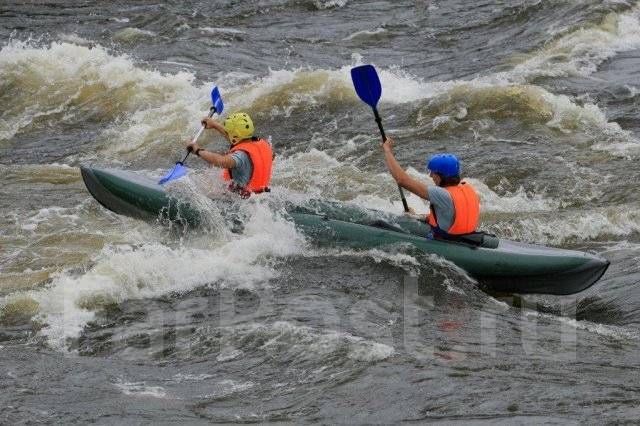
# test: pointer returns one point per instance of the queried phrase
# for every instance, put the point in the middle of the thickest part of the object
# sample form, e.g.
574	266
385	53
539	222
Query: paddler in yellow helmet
248	163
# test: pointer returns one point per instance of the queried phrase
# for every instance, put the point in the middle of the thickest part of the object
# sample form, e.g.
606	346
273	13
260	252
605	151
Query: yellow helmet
239	127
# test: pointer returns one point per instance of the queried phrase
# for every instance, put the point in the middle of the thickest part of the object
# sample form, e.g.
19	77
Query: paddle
179	169
368	87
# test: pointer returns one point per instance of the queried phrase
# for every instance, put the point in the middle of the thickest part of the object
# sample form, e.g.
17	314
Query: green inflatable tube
497	264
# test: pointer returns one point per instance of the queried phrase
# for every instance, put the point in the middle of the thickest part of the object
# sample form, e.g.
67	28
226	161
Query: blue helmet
446	165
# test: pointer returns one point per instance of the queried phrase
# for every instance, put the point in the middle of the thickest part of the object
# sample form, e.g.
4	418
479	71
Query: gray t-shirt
442	203
241	173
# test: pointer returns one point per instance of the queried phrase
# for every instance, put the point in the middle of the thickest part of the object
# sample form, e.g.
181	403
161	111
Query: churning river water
108	319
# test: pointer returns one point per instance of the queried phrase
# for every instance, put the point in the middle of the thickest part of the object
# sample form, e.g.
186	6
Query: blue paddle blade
216	100
367	84
177	172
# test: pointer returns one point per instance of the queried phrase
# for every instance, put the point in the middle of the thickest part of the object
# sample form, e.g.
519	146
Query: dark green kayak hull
499	265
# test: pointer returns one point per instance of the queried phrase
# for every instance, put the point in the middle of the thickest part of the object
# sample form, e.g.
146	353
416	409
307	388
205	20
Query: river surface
108	319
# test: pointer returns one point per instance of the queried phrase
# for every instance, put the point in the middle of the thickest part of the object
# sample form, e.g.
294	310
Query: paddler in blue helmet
454	204
248	163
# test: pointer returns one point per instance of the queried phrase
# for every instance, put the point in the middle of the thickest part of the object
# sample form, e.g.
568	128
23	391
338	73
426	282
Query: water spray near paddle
179	170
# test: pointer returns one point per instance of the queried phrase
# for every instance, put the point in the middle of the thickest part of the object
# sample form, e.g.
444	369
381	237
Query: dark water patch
51	146
614	87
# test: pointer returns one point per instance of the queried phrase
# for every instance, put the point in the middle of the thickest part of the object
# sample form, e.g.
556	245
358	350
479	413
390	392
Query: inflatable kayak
497	264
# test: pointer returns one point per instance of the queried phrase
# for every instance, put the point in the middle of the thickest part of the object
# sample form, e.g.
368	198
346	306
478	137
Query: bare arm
225	161
402	177
210	123
218	160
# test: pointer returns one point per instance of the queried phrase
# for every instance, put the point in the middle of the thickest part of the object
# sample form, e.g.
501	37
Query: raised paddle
179	169
368	87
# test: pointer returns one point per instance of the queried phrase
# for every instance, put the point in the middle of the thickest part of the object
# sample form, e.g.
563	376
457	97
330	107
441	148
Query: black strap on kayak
473	238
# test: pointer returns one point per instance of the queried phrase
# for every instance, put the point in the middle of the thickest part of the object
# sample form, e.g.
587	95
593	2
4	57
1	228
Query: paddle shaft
195	139
384	138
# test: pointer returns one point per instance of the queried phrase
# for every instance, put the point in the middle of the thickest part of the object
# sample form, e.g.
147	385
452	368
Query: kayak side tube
506	267
510	267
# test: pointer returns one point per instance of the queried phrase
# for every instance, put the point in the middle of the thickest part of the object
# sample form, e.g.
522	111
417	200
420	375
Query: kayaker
454	204
248	163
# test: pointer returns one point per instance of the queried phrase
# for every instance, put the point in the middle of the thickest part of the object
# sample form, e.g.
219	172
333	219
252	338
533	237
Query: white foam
401	260
140	389
623	246
628	150
221	30
452	287
320	344
619	333
228	387
492	202
574	226
318	174
132	34
447	265
151	269
78	71
300	342
229	354
151	95
62	166
73	38
633	90
181	64
68	62
329	4
185	377
512	202
586	49
48	213
401	87
365	34
581	51
567	115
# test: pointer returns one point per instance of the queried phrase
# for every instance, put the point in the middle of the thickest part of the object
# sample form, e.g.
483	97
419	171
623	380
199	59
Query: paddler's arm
223	161
210	123
398	173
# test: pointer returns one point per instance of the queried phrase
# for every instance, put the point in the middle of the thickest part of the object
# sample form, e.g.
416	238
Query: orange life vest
466	205
261	156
